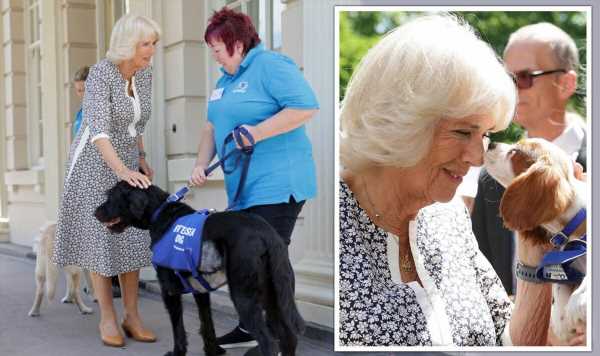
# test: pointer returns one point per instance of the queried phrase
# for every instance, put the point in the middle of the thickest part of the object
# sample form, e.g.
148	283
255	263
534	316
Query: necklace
406	264
377	215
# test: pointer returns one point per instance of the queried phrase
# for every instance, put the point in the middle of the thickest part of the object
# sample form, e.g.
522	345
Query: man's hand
578	170
580	336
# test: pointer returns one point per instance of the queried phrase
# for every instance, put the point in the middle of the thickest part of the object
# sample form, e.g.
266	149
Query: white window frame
3	195
265	8
35	125
107	14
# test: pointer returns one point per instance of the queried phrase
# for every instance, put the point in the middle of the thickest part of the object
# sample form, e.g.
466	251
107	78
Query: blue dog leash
556	265
245	152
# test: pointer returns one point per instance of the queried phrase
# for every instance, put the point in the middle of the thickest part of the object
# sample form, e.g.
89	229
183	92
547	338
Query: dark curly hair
230	26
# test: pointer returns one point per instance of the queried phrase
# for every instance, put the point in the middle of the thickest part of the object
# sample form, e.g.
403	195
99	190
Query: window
35	125
266	16
278	8
108	12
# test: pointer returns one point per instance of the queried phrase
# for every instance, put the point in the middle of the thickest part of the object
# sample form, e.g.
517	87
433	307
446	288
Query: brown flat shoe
142	335
113	341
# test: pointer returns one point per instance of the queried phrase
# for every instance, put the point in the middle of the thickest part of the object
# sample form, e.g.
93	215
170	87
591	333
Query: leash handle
240	131
235	135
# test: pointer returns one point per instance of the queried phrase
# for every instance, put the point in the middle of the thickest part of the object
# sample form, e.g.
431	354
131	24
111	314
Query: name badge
216	94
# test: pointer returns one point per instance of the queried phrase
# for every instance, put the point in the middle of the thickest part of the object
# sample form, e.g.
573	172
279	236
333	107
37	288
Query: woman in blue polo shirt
266	93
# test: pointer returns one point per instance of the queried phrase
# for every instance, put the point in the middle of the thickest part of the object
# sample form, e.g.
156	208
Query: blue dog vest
183	249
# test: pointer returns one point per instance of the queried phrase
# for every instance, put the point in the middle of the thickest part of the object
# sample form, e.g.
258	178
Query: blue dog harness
556	265
182	248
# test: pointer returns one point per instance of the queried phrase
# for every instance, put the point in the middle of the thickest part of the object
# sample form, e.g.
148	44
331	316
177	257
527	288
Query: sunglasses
524	78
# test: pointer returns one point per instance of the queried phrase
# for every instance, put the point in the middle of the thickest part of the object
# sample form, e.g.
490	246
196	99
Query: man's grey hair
561	45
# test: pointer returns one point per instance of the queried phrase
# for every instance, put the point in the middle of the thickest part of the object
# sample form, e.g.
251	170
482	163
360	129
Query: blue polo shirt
77	123
282	166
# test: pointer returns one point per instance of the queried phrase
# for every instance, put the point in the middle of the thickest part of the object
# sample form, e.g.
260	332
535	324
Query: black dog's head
129	206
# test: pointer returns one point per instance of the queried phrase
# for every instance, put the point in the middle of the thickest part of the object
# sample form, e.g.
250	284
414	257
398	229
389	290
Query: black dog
257	266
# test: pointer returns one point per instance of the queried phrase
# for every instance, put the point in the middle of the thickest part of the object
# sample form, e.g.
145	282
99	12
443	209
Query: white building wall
3	196
184	74
312	247
24	186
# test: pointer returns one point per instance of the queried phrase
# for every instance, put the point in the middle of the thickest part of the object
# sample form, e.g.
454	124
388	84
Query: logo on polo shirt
241	87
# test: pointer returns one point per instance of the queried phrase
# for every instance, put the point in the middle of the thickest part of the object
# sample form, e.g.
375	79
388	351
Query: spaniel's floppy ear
138	200
537	196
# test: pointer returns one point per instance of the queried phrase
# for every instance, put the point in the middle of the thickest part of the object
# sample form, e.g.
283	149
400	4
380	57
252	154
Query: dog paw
175	353
218	351
34	313
86	310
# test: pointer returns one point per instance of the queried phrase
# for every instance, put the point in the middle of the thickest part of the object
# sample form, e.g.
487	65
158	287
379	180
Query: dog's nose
491	146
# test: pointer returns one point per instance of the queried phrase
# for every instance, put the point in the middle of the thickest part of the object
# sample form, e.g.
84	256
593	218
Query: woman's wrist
257	133
200	165
142	154
121	170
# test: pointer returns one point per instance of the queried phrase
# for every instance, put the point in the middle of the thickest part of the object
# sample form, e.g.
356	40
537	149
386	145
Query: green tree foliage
359	31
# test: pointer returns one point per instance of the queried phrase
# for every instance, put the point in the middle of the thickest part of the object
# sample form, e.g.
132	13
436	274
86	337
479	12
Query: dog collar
175	197
561	237
556	265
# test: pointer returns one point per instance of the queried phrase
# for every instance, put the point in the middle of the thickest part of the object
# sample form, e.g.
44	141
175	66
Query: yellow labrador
46	275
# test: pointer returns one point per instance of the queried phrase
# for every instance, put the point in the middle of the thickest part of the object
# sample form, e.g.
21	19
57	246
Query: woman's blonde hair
431	68
127	33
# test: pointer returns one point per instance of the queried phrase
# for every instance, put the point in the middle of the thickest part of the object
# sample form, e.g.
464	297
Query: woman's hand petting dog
135	179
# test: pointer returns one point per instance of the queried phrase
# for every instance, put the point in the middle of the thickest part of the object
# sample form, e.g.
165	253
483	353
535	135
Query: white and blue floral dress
461	303
108	112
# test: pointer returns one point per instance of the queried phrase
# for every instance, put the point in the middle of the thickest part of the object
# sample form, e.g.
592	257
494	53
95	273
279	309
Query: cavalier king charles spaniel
544	202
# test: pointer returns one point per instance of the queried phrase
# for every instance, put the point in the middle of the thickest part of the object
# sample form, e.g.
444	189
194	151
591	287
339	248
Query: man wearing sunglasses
544	62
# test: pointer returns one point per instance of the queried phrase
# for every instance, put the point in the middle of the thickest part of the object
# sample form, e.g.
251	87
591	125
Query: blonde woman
109	147
415	117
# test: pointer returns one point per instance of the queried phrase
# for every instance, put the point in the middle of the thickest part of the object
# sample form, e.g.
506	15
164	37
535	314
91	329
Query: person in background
266	93
79	84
